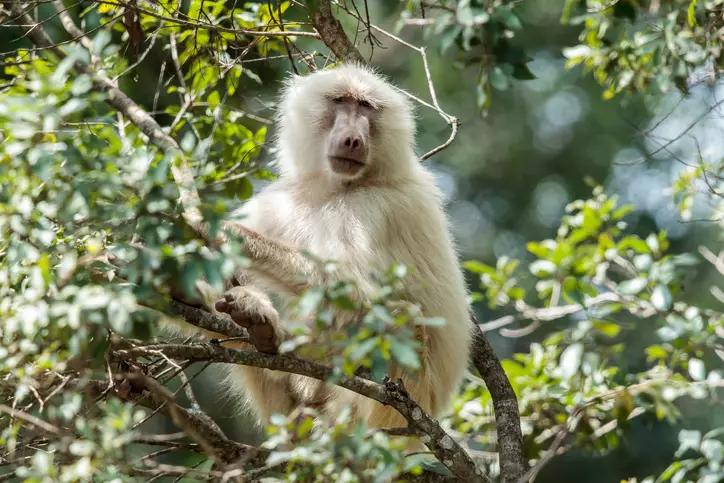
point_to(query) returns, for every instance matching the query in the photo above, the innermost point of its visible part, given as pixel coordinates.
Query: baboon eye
(338, 100)
(364, 103)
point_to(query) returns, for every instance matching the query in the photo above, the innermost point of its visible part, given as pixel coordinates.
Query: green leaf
(697, 370)
(540, 250)
(610, 329)
(214, 98)
(688, 439)
(670, 471)
(656, 352)
(344, 302)
(305, 428)
(571, 360)
(478, 267)
(643, 262)
(653, 243)
(543, 268)
(691, 13)
(516, 293)
(633, 286)
(191, 272)
(602, 310)
(522, 72)
(231, 84)
(712, 450)
(449, 37)
(239, 187)
(498, 79)
(310, 300)
(81, 85)
(621, 212)
(360, 351)
(635, 243)
(661, 297)
(577, 52)
(509, 18)
(464, 13)
(623, 9)
(405, 355)
(102, 38)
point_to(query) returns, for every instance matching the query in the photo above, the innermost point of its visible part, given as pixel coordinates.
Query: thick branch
(332, 34)
(505, 403)
(391, 393)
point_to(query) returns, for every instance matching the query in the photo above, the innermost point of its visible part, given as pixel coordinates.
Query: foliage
(628, 47)
(576, 381)
(69, 195)
(386, 331)
(481, 32)
(335, 451)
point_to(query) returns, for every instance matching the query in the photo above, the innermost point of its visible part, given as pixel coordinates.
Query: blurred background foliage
(550, 95)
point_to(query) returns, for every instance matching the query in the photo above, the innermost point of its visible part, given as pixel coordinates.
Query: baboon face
(346, 122)
(351, 124)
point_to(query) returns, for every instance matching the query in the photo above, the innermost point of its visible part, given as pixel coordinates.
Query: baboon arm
(275, 259)
(271, 258)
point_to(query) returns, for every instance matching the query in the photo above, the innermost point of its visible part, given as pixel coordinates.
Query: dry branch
(227, 450)
(332, 34)
(391, 393)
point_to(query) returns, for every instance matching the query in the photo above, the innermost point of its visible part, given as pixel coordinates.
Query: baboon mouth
(345, 165)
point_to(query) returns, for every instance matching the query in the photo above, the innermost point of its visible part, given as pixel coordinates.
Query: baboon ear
(293, 81)
(291, 84)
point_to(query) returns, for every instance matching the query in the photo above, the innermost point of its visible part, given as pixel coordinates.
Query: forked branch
(392, 393)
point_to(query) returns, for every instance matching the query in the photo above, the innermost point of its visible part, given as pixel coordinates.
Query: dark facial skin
(349, 136)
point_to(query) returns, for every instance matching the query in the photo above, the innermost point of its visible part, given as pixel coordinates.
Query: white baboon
(351, 190)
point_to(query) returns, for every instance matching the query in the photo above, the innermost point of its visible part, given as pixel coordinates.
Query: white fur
(390, 213)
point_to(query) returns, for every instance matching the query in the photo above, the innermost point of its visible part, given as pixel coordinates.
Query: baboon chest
(332, 231)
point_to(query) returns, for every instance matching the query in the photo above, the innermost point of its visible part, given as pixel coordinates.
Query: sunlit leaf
(633, 286)
(661, 297)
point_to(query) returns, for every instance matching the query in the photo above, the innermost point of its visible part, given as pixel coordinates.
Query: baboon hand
(253, 311)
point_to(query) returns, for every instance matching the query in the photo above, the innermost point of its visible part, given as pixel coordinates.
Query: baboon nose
(353, 143)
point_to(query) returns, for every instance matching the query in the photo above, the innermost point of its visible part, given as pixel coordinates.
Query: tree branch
(208, 321)
(505, 403)
(332, 34)
(227, 450)
(391, 393)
